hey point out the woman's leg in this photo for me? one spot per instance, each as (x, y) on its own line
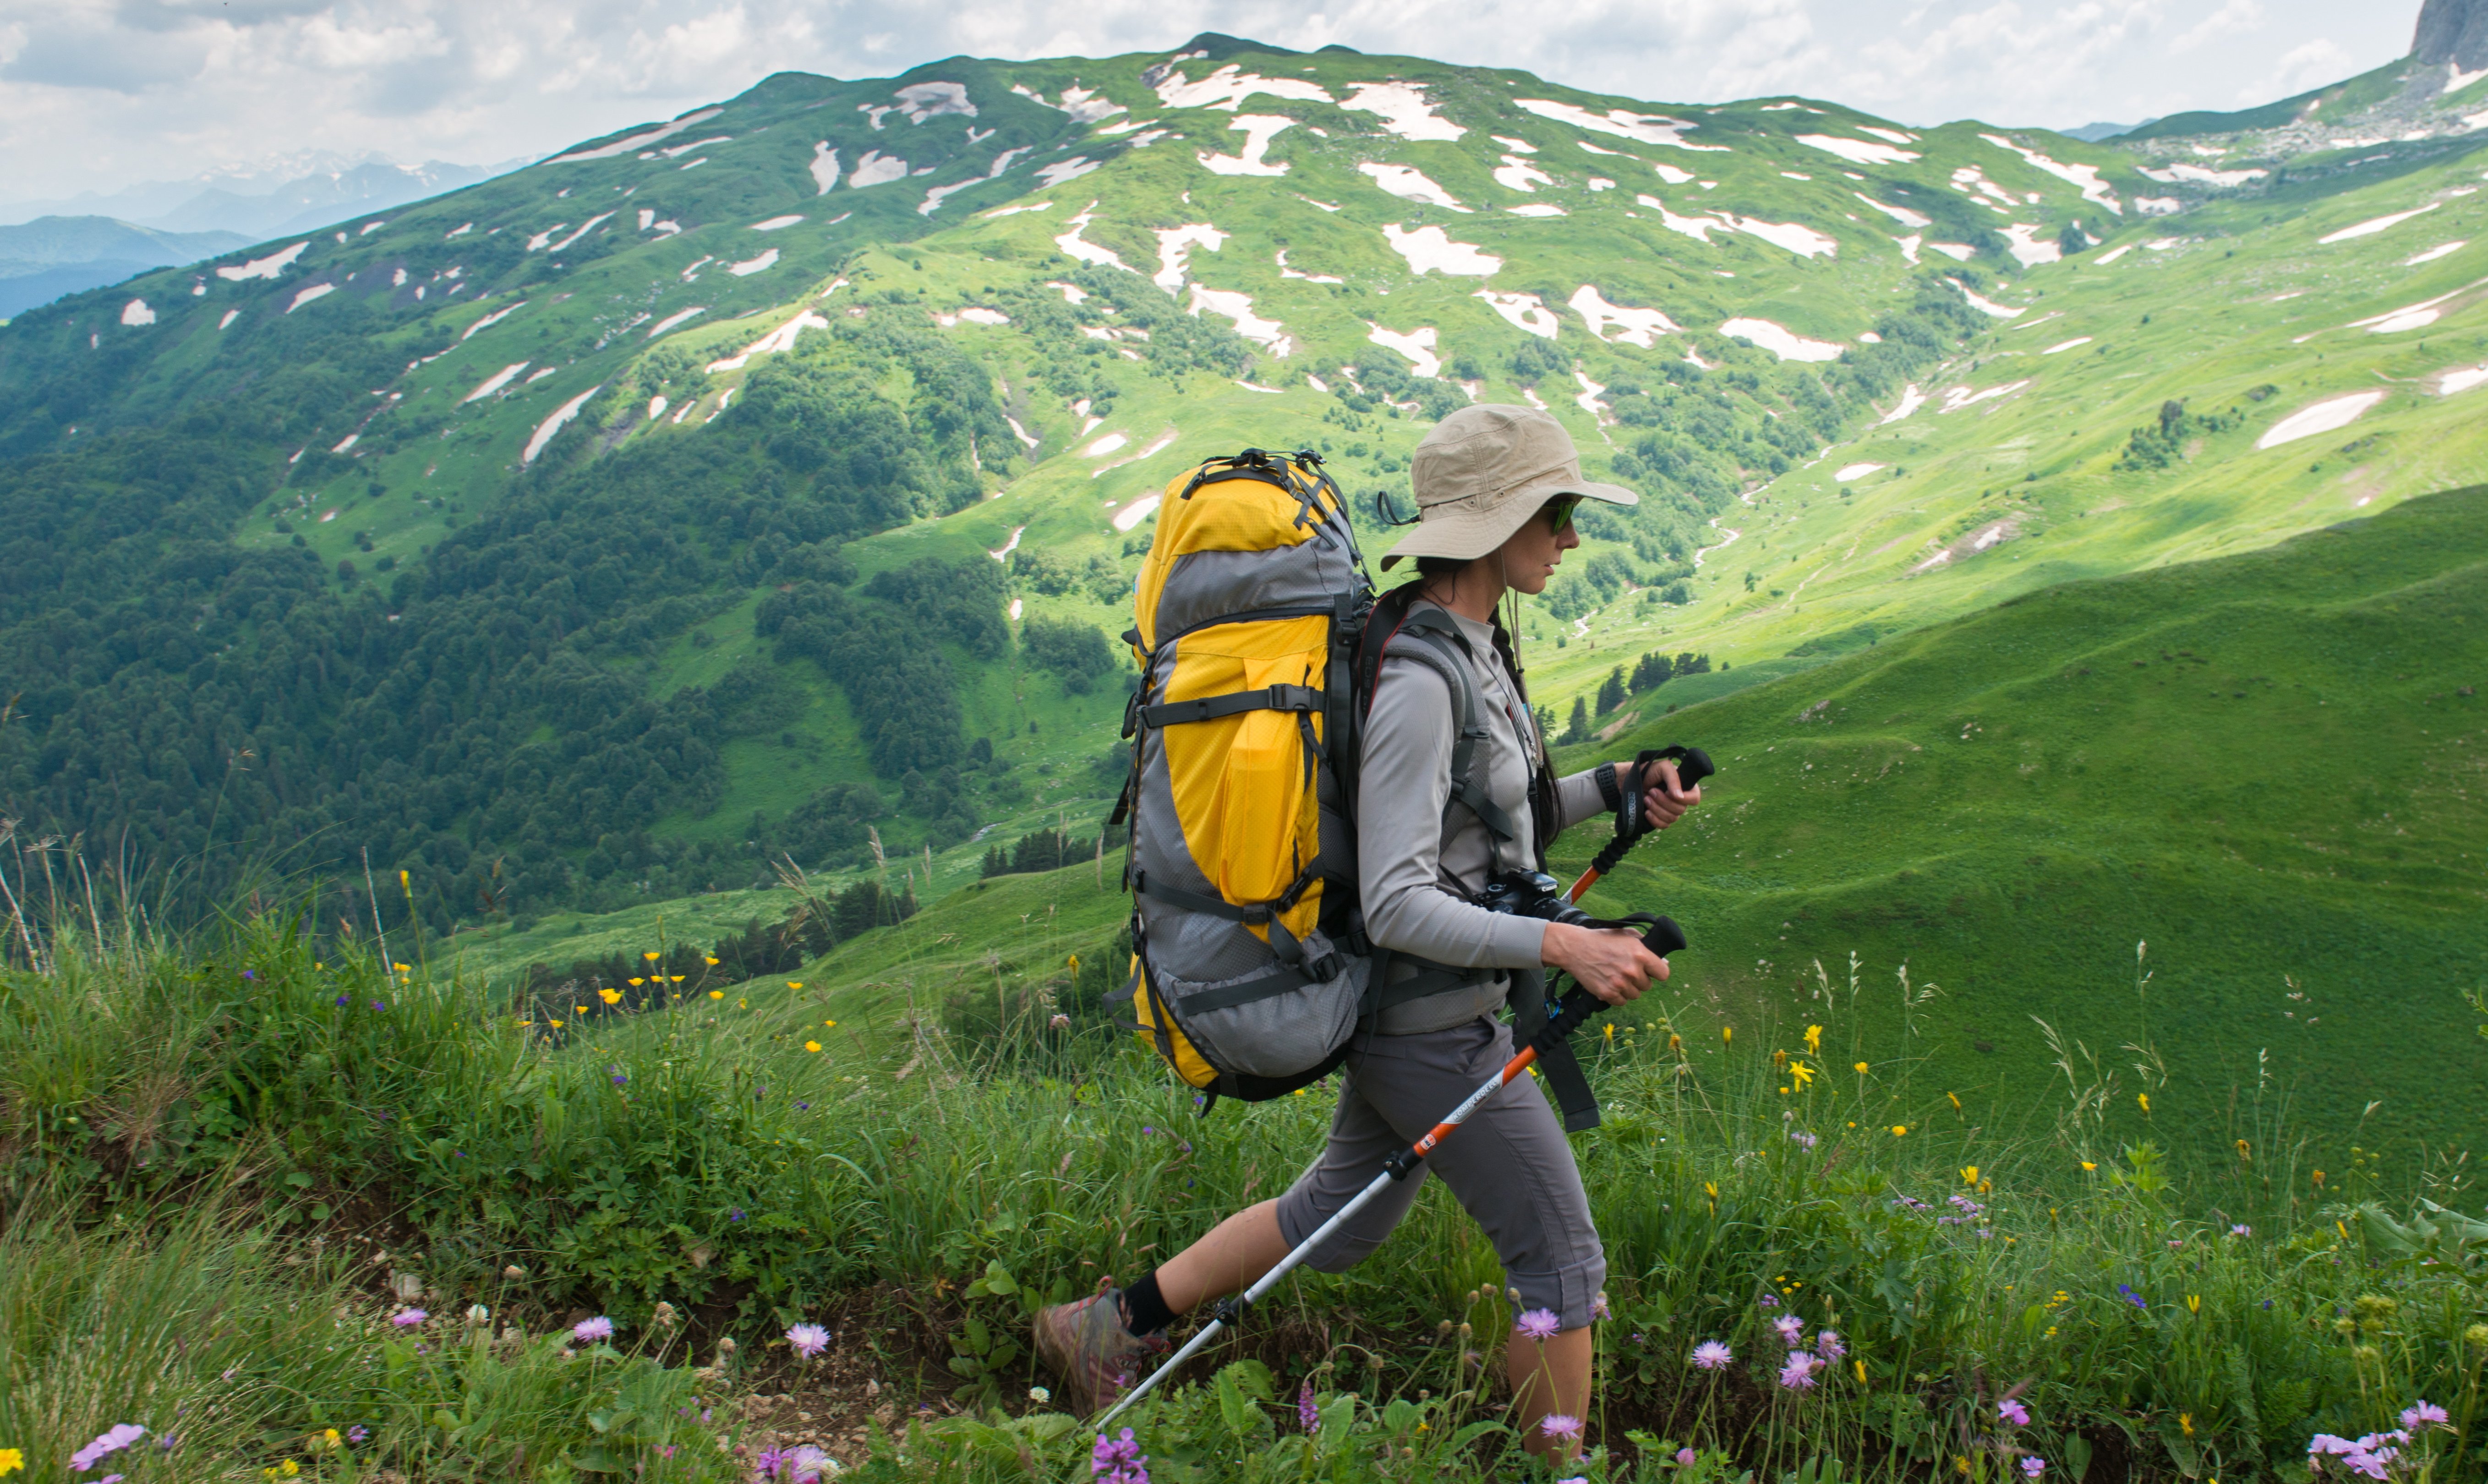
(1549, 1377)
(1234, 1254)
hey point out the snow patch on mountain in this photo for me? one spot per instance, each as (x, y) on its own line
(1526, 311)
(1410, 183)
(560, 419)
(1074, 246)
(1431, 250)
(824, 168)
(2086, 178)
(1175, 248)
(1622, 124)
(922, 101)
(1899, 214)
(315, 292)
(2325, 416)
(1234, 305)
(1259, 128)
(1403, 109)
(493, 383)
(136, 312)
(1633, 326)
(1083, 105)
(2368, 228)
(1859, 152)
(267, 268)
(640, 141)
(1780, 340)
(1416, 346)
(1517, 174)
(2029, 248)
(1227, 87)
(1061, 169)
(876, 169)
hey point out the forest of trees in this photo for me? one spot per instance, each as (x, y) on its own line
(200, 709)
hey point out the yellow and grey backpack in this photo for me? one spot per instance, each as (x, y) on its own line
(1249, 970)
(1251, 973)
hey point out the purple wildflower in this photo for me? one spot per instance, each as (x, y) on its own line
(1829, 1345)
(1118, 1461)
(357, 1433)
(1562, 1427)
(1686, 1458)
(2422, 1414)
(803, 1108)
(166, 1440)
(1307, 1415)
(380, 1004)
(1799, 1374)
(767, 1465)
(2032, 1468)
(407, 1319)
(1713, 1355)
(1770, 1301)
(589, 1331)
(1792, 1330)
(2012, 1412)
(808, 1341)
(112, 1478)
(805, 1463)
(734, 1214)
(1599, 1309)
(621, 1078)
(345, 1002)
(1801, 1139)
(2133, 1298)
(109, 1442)
(247, 975)
(2241, 1230)
(1538, 1323)
(2323, 1444)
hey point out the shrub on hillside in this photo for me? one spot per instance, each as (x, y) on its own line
(1077, 652)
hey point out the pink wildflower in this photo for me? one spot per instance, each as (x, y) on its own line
(407, 1319)
(2032, 1468)
(1560, 1426)
(1538, 1323)
(1713, 1355)
(2012, 1412)
(590, 1330)
(109, 1442)
(1792, 1330)
(808, 1341)
(1829, 1345)
(1799, 1374)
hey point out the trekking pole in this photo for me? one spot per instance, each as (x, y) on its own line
(1692, 765)
(1662, 938)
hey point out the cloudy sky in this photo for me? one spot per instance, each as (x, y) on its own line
(96, 95)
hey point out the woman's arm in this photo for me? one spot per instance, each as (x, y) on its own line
(1405, 781)
(1662, 801)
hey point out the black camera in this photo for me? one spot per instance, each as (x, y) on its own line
(1530, 894)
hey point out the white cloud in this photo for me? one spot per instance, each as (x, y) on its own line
(98, 94)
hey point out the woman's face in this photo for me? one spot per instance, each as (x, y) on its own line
(1530, 555)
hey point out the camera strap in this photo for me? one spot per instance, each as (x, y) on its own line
(1558, 1066)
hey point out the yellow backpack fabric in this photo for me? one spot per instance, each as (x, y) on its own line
(1242, 871)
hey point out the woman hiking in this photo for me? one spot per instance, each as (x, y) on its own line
(1495, 489)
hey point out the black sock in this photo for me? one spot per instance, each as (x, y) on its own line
(1145, 1308)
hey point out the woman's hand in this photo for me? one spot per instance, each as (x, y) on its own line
(1609, 963)
(1663, 798)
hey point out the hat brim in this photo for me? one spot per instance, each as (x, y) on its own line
(1467, 534)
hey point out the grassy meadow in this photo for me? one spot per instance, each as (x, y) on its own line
(287, 1209)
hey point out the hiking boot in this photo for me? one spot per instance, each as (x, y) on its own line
(1085, 1343)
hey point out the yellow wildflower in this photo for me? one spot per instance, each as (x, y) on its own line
(2144, 1099)
(11, 1460)
(2193, 1303)
(635, 983)
(609, 997)
(1862, 1069)
(712, 961)
(2090, 1164)
(1955, 1100)
(400, 968)
(650, 957)
(2186, 1420)
(1814, 1040)
(793, 984)
(1803, 1073)
(1860, 1363)
(831, 1024)
(1900, 1128)
(716, 994)
(812, 1046)
(1727, 1033)
(1969, 1174)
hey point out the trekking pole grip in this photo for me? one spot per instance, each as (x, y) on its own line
(1662, 938)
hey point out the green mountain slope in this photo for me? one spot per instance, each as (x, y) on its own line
(596, 533)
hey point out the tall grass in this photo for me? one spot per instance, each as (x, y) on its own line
(742, 1160)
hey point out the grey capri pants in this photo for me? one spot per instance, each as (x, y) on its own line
(1509, 1165)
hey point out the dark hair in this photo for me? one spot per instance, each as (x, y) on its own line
(1442, 566)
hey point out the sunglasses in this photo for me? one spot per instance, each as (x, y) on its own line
(1559, 513)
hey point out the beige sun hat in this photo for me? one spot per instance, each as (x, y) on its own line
(1484, 471)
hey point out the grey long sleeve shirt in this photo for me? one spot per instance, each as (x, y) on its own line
(1407, 872)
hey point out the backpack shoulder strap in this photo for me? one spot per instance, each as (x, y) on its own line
(1440, 646)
